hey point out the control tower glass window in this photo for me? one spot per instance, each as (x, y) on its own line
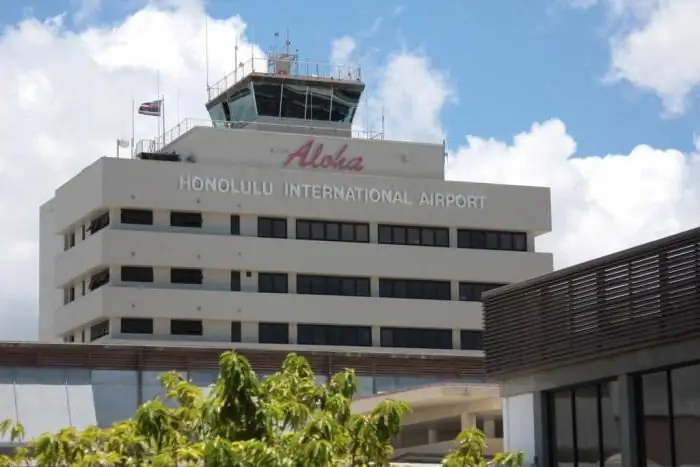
(299, 101)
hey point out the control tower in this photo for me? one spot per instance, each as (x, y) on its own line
(282, 93)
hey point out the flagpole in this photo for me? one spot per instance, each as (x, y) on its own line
(158, 94)
(133, 125)
(162, 113)
(117, 148)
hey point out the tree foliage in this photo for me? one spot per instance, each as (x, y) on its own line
(284, 420)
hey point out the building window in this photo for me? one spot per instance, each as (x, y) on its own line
(332, 231)
(269, 282)
(136, 326)
(68, 295)
(98, 330)
(272, 227)
(317, 334)
(584, 426)
(416, 338)
(273, 333)
(235, 331)
(415, 289)
(472, 291)
(235, 281)
(235, 225)
(186, 327)
(471, 339)
(186, 276)
(413, 235)
(69, 240)
(99, 223)
(137, 274)
(191, 220)
(333, 285)
(137, 216)
(670, 409)
(99, 279)
(491, 240)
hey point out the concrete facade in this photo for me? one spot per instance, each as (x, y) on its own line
(252, 175)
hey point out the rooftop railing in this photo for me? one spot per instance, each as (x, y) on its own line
(291, 68)
(157, 144)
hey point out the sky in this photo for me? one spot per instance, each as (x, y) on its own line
(596, 99)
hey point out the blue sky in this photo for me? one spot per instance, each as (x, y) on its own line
(511, 62)
(592, 98)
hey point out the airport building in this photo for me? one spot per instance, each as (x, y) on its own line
(605, 369)
(274, 227)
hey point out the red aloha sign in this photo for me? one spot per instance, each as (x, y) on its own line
(313, 157)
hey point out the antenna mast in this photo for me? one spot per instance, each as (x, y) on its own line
(206, 48)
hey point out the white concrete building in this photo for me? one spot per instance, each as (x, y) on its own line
(273, 228)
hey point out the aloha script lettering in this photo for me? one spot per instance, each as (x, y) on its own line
(347, 193)
(310, 156)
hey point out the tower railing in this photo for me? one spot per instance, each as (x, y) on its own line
(296, 68)
(157, 144)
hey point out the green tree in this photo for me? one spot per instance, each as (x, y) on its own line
(285, 420)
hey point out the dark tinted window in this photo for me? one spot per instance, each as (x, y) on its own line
(269, 282)
(98, 223)
(99, 279)
(236, 331)
(472, 291)
(136, 326)
(273, 333)
(414, 235)
(317, 334)
(267, 99)
(186, 219)
(98, 330)
(137, 216)
(236, 281)
(585, 426)
(272, 227)
(491, 240)
(186, 276)
(472, 339)
(416, 338)
(333, 285)
(186, 327)
(137, 274)
(414, 288)
(235, 225)
(332, 231)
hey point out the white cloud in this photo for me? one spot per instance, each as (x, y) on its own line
(67, 98)
(658, 55)
(341, 50)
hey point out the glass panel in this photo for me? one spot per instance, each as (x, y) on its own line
(41, 376)
(587, 441)
(293, 101)
(267, 99)
(344, 105)
(116, 395)
(319, 103)
(42, 407)
(685, 383)
(657, 423)
(365, 386)
(610, 422)
(563, 428)
(242, 107)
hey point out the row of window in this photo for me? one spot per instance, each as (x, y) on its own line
(331, 231)
(311, 334)
(306, 284)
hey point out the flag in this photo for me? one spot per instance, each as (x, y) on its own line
(152, 108)
(123, 143)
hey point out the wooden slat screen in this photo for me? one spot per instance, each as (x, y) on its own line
(122, 357)
(637, 298)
